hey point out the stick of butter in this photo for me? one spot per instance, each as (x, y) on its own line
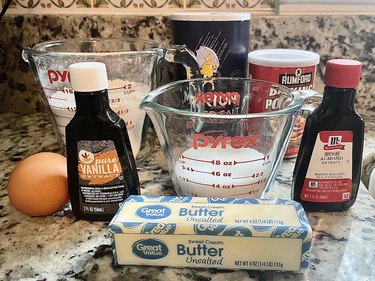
(226, 233)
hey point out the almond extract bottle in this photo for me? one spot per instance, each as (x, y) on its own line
(327, 172)
(101, 166)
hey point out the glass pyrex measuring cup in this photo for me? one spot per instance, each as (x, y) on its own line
(132, 68)
(215, 141)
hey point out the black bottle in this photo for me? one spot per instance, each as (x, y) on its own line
(327, 173)
(101, 166)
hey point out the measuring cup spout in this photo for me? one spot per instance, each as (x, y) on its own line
(24, 54)
(183, 55)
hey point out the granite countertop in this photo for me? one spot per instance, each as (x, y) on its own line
(58, 247)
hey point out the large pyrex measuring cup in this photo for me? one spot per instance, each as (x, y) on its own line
(132, 68)
(213, 144)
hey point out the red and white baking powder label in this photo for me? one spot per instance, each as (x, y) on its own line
(296, 78)
(329, 175)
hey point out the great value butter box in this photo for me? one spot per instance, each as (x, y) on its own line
(211, 232)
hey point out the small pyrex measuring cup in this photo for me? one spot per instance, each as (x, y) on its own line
(214, 145)
(132, 69)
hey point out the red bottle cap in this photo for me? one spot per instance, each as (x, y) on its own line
(342, 73)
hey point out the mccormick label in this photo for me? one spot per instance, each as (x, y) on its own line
(296, 78)
(101, 179)
(207, 232)
(329, 175)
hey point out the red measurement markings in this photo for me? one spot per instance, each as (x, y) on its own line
(215, 185)
(223, 186)
(181, 156)
(246, 184)
(214, 173)
(195, 171)
(226, 163)
(126, 87)
(250, 192)
(213, 162)
(114, 100)
(117, 88)
(69, 108)
(64, 90)
(255, 175)
(54, 98)
(265, 158)
(185, 179)
(122, 111)
(218, 174)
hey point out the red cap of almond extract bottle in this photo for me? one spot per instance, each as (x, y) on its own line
(342, 73)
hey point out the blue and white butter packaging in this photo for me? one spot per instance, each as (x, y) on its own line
(225, 233)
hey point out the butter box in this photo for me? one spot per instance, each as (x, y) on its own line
(225, 233)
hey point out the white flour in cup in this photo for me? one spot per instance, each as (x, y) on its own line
(124, 98)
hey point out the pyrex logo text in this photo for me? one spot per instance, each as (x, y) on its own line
(57, 75)
(217, 98)
(236, 142)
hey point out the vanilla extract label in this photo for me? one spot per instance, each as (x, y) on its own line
(102, 186)
(98, 163)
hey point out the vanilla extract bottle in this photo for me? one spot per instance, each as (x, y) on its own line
(101, 167)
(327, 172)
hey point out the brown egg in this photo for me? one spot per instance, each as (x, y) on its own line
(38, 185)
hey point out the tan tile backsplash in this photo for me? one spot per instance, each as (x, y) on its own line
(135, 7)
(165, 7)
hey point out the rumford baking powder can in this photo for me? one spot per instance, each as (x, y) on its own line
(292, 68)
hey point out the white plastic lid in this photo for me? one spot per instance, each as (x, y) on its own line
(88, 76)
(283, 58)
(213, 16)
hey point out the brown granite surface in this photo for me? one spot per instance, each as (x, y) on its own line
(58, 247)
(330, 36)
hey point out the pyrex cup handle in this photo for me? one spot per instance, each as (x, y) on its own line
(165, 55)
(182, 55)
(311, 99)
(24, 55)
